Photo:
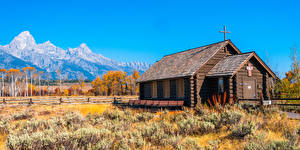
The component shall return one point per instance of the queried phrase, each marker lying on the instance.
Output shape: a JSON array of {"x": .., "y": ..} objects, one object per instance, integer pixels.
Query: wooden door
[{"x": 249, "y": 89}]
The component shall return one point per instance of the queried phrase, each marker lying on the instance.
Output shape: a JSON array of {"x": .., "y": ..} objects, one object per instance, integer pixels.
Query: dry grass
[
  {"x": 222, "y": 137},
  {"x": 47, "y": 111}
]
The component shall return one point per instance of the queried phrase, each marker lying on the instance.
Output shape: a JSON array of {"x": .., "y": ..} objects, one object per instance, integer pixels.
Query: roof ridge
[
  {"x": 196, "y": 48},
  {"x": 242, "y": 53}
]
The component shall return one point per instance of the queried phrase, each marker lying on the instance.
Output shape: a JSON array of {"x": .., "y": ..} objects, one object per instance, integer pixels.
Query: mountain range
[{"x": 23, "y": 51}]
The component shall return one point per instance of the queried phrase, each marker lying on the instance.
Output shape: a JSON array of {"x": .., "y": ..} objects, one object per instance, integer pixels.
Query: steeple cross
[{"x": 225, "y": 31}]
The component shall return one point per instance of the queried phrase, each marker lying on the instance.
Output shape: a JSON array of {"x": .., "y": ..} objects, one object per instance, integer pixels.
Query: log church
[{"x": 194, "y": 75}]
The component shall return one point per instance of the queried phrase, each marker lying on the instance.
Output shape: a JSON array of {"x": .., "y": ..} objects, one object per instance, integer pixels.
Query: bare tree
[
  {"x": 31, "y": 72},
  {"x": 81, "y": 79},
  {"x": 48, "y": 76},
  {"x": 13, "y": 74},
  {"x": 26, "y": 71},
  {"x": 39, "y": 76},
  {"x": 59, "y": 76},
  {"x": 3, "y": 71}
]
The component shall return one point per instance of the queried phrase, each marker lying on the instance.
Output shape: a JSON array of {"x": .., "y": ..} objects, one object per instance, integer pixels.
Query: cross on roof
[{"x": 224, "y": 32}]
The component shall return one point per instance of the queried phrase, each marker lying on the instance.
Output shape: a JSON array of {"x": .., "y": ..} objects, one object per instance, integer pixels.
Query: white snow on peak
[
  {"x": 84, "y": 48},
  {"x": 50, "y": 57},
  {"x": 48, "y": 43},
  {"x": 23, "y": 41},
  {"x": 83, "y": 52}
]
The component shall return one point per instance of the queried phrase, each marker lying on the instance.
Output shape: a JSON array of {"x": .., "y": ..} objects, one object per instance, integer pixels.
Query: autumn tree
[
  {"x": 289, "y": 86},
  {"x": 96, "y": 85},
  {"x": 135, "y": 76},
  {"x": 116, "y": 83}
]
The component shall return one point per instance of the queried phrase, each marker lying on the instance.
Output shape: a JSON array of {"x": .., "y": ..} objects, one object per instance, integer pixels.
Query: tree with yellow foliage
[
  {"x": 135, "y": 76},
  {"x": 116, "y": 83},
  {"x": 97, "y": 86},
  {"x": 289, "y": 86}
]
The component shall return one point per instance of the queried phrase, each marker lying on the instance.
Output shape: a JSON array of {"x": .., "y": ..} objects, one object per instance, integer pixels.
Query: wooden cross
[
  {"x": 224, "y": 32},
  {"x": 249, "y": 68}
]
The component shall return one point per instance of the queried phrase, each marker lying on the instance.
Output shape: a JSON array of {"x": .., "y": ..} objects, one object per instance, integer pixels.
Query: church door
[{"x": 249, "y": 89}]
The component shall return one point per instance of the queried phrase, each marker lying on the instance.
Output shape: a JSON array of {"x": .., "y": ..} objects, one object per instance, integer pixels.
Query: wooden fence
[
  {"x": 275, "y": 101},
  {"x": 64, "y": 100}
]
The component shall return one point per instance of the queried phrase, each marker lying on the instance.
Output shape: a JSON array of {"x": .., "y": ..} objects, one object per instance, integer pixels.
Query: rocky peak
[{"x": 23, "y": 41}]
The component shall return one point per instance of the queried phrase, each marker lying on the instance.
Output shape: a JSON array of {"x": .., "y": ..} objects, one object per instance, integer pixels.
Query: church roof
[
  {"x": 182, "y": 64},
  {"x": 229, "y": 65}
]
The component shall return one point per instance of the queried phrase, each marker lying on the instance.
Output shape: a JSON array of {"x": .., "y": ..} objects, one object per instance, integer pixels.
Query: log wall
[{"x": 204, "y": 87}]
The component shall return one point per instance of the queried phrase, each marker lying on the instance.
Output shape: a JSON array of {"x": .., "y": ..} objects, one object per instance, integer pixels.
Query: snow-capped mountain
[
  {"x": 72, "y": 62},
  {"x": 136, "y": 65}
]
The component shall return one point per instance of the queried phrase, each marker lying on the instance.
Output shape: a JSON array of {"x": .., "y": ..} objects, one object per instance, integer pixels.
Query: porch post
[{"x": 192, "y": 99}]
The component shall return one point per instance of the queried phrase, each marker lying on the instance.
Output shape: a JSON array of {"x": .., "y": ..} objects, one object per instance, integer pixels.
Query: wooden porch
[{"x": 155, "y": 103}]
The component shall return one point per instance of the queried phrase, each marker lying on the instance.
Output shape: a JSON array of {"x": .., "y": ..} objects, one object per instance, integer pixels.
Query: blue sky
[{"x": 138, "y": 30}]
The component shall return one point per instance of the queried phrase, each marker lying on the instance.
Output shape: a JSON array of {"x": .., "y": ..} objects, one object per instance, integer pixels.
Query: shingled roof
[
  {"x": 229, "y": 65},
  {"x": 181, "y": 64}
]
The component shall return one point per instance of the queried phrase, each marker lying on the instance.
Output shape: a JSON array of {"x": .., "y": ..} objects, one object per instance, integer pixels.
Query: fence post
[
  {"x": 30, "y": 101},
  {"x": 60, "y": 100},
  {"x": 115, "y": 100},
  {"x": 4, "y": 101}
]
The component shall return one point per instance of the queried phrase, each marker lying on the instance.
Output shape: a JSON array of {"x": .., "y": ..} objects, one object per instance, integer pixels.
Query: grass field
[{"x": 98, "y": 126}]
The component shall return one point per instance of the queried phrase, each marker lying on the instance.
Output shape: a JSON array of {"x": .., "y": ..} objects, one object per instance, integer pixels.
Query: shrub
[
  {"x": 213, "y": 145},
  {"x": 85, "y": 136},
  {"x": 269, "y": 111},
  {"x": 180, "y": 116},
  {"x": 213, "y": 118},
  {"x": 118, "y": 115},
  {"x": 167, "y": 127},
  {"x": 200, "y": 110},
  {"x": 113, "y": 114},
  {"x": 4, "y": 126},
  {"x": 38, "y": 140},
  {"x": 73, "y": 120},
  {"x": 192, "y": 126},
  {"x": 256, "y": 142},
  {"x": 159, "y": 138},
  {"x": 290, "y": 133},
  {"x": 174, "y": 140},
  {"x": 188, "y": 143},
  {"x": 230, "y": 118},
  {"x": 157, "y": 133},
  {"x": 145, "y": 116},
  {"x": 95, "y": 119},
  {"x": 243, "y": 129},
  {"x": 281, "y": 145},
  {"x": 135, "y": 140},
  {"x": 24, "y": 115},
  {"x": 49, "y": 139},
  {"x": 249, "y": 108},
  {"x": 103, "y": 144}
]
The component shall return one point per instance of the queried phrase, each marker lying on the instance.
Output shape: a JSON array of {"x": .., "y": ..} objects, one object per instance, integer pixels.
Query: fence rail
[
  {"x": 64, "y": 100},
  {"x": 276, "y": 101}
]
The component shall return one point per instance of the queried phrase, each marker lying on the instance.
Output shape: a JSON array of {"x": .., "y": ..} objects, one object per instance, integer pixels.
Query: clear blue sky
[{"x": 143, "y": 30}]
